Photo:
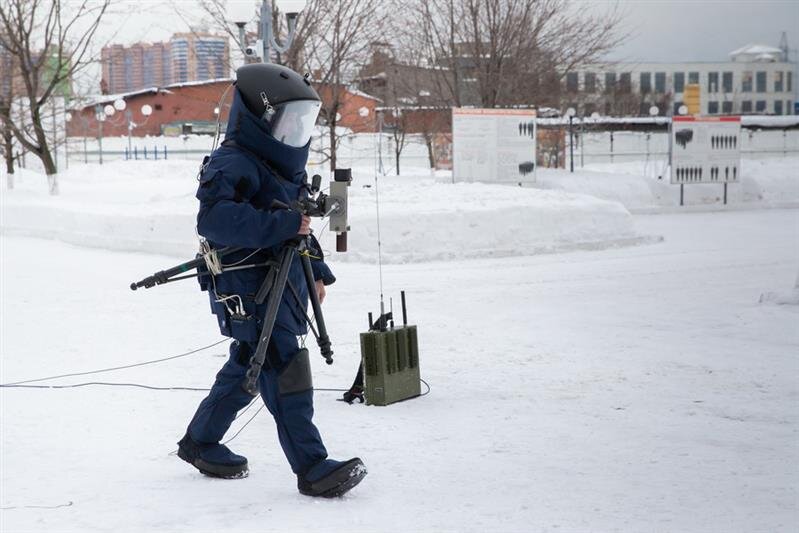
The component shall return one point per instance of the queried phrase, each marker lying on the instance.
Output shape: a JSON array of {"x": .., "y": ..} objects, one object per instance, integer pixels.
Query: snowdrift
[
  {"x": 644, "y": 186},
  {"x": 149, "y": 206}
]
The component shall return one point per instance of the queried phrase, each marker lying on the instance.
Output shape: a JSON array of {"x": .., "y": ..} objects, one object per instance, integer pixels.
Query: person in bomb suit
[{"x": 263, "y": 159}]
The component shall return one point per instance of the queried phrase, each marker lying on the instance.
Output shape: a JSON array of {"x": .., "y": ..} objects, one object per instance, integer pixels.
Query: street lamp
[
  {"x": 263, "y": 46},
  {"x": 570, "y": 113},
  {"x": 683, "y": 110}
]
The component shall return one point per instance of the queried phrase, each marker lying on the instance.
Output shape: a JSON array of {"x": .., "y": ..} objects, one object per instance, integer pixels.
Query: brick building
[{"x": 190, "y": 108}]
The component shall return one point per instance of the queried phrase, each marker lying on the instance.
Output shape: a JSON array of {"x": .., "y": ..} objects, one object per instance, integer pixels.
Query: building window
[
  {"x": 746, "y": 106},
  {"x": 789, "y": 108},
  {"x": 679, "y": 82},
  {"x": 660, "y": 82},
  {"x": 726, "y": 108},
  {"x": 746, "y": 81},
  {"x": 610, "y": 82},
  {"x": 572, "y": 82},
  {"x": 693, "y": 77},
  {"x": 158, "y": 107},
  {"x": 778, "y": 107},
  {"x": 760, "y": 81},
  {"x": 712, "y": 108},
  {"x": 646, "y": 82},
  {"x": 625, "y": 83},
  {"x": 589, "y": 80},
  {"x": 789, "y": 86},
  {"x": 726, "y": 82},
  {"x": 778, "y": 81},
  {"x": 760, "y": 106},
  {"x": 712, "y": 82}
]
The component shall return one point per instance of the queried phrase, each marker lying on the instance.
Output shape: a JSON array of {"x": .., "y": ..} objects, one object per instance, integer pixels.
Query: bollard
[
  {"x": 136, "y": 153},
  {"x": 164, "y": 151},
  {"x": 145, "y": 152},
  {"x": 155, "y": 152}
]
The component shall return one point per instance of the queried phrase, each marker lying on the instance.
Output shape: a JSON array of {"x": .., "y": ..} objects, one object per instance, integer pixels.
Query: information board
[
  {"x": 706, "y": 149},
  {"x": 494, "y": 145}
]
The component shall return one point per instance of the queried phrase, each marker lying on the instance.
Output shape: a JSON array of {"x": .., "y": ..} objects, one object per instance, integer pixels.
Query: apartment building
[{"x": 193, "y": 56}]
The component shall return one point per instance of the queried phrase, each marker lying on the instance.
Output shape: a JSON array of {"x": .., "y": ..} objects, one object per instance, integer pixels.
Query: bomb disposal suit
[{"x": 262, "y": 159}]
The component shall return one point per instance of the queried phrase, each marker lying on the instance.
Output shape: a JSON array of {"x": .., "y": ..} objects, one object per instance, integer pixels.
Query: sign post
[
  {"x": 705, "y": 150},
  {"x": 494, "y": 145}
]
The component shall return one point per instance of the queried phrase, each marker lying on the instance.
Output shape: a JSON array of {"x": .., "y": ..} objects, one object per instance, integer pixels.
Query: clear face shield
[{"x": 293, "y": 122}]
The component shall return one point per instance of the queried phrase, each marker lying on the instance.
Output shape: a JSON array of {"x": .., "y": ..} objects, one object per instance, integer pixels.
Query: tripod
[
  {"x": 271, "y": 291},
  {"x": 273, "y": 288}
]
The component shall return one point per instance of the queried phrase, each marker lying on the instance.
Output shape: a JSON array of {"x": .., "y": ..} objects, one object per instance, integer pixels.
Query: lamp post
[
  {"x": 571, "y": 112},
  {"x": 268, "y": 40}
]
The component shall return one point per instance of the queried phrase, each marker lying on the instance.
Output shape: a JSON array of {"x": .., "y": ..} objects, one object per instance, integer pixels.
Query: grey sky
[
  {"x": 702, "y": 30},
  {"x": 661, "y": 30}
]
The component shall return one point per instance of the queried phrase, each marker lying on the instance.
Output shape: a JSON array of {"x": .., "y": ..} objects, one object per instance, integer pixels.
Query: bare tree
[
  {"x": 9, "y": 69},
  {"x": 507, "y": 52},
  {"x": 51, "y": 39}
]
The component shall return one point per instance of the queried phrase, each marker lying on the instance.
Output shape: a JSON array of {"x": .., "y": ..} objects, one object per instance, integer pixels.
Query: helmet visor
[{"x": 293, "y": 122}]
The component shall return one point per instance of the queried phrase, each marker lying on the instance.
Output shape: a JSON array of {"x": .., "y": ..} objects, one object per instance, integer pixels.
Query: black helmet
[{"x": 282, "y": 98}]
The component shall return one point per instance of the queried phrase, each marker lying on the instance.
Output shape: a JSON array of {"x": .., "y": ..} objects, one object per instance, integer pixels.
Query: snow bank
[
  {"x": 149, "y": 206},
  {"x": 644, "y": 185}
]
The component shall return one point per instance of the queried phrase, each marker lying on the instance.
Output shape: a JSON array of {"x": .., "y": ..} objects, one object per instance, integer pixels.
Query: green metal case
[{"x": 390, "y": 365}]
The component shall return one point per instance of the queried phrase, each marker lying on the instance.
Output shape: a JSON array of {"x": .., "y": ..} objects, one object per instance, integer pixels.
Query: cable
[
  {"x": 104, "y": 383},
  {"x": 117, "y": 367}
]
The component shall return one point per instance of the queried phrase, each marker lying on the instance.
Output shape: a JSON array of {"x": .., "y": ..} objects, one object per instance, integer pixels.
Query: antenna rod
[
  {"x": 404, "y": 310},
  {"x": 377, "y": 209}
]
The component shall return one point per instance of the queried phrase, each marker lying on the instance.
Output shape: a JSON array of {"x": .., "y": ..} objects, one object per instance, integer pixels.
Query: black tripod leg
[
  {"x": 322, "y": 340},
  {"x": 273, "y": 304}
]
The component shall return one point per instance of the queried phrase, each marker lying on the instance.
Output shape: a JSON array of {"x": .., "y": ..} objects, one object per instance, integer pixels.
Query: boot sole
[
  {"x": 217, "y": 471},
  {"x": 342, "y": 480}
]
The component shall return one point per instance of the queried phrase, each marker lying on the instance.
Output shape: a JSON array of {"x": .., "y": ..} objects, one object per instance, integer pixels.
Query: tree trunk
[
  {"x": 333, "y": 144},
  {"x": 397, "y": 152},
  {"x": 45, "y": 154},
  {"x": 8, "y": 152},
  {"x": 428, "y": 140}
]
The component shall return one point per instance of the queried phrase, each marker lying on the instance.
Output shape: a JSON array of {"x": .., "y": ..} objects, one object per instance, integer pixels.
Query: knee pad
[{"x": 296, "y": 376}]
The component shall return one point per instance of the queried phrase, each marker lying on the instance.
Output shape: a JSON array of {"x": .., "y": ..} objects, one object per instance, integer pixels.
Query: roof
[{"x": 756, "y": 49}]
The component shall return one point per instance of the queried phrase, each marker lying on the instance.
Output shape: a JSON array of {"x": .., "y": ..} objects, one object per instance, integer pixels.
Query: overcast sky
[
  {"x": 661, "y": 30},
  {"x": 702, "y": 30}
]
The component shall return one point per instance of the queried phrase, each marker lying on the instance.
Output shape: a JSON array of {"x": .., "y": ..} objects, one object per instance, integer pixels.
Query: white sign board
[
  {"x": 705, "y": 149},
  {"x": 493, "y": 145}
]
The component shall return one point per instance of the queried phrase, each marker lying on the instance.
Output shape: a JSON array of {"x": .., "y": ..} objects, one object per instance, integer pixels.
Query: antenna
[{"x": 377, "y": 208}]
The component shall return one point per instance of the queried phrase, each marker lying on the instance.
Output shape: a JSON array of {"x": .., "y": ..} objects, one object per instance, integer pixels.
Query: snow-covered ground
[
  {"x": 150, "y": 206},
  {"x": 628, "y": 389}
]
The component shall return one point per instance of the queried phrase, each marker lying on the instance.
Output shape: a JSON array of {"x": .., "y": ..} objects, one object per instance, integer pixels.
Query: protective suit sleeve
[
  {"x": 318, "y": 265},
  {"x": 227, "y": 217}
]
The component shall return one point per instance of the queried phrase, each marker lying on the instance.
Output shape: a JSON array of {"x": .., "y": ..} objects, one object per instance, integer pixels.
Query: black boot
[
  {"x": 330, "y": 478},
  {"x": 215, "y": 460}
]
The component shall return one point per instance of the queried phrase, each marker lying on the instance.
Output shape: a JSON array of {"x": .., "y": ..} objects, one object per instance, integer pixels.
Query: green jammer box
[{"x": 390, "y": 365}]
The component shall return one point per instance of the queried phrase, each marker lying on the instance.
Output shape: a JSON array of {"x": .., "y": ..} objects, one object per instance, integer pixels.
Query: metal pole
[
  {"x": 266, "y": 30},
  {"x": 681, "y": 193},
  {"x": 571, "y": 144},
  {"x": 582, "y": 141},
  {"x": 129, "y": 116},
  {"x": 55, "y": 137},
  {"x": 611, "y": 147},
  {"x": 725, "y": 193}
]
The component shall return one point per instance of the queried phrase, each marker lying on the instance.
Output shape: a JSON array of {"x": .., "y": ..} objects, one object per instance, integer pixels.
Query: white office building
[{"x": 758, "y": 79}]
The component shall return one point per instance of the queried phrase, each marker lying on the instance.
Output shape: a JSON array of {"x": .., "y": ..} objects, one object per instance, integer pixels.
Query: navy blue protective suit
[{"x": 236, "y": 189}]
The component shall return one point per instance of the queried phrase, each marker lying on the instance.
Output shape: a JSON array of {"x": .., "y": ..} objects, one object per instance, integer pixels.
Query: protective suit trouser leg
[
  {"x": 287, "y": 390},
  {"x": 218, "y": 410}
]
